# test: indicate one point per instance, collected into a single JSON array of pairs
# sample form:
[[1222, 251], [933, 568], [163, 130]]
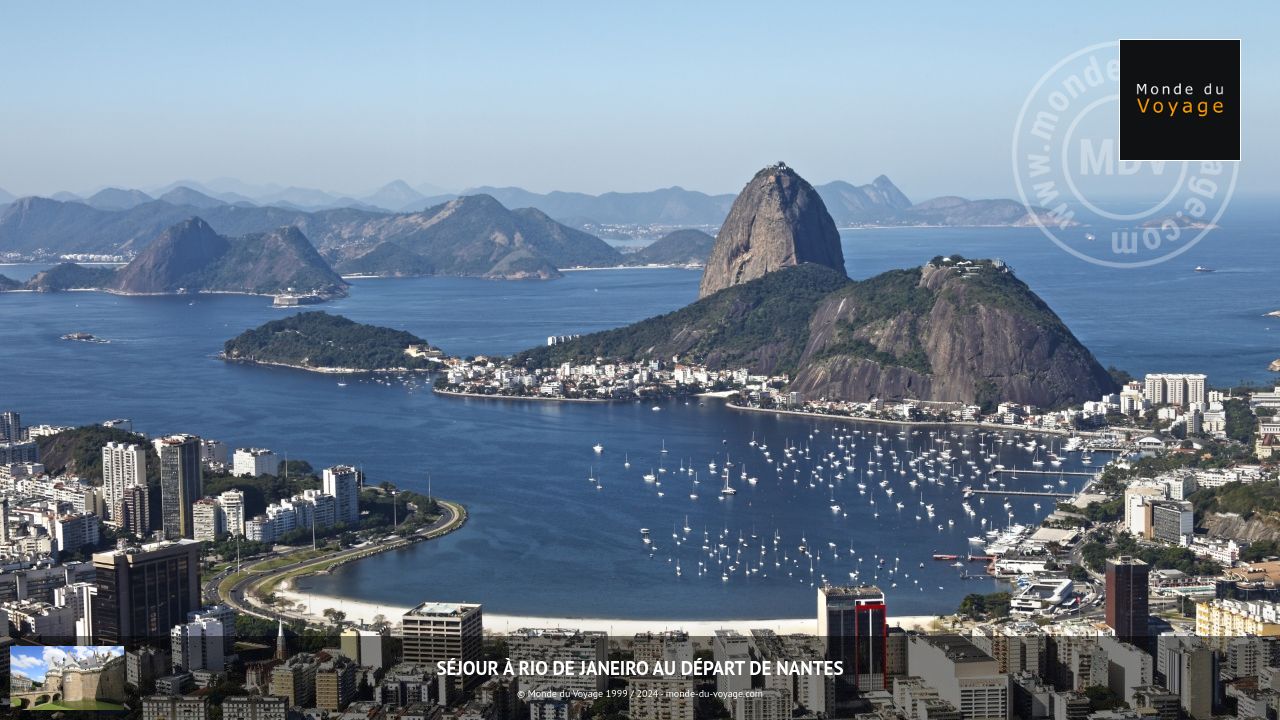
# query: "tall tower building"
[[10, 426], [142, 592], [181, 483], [340, 482], [1127, 612], [853, 622], [434, 632], [124, 465], [232, 504]]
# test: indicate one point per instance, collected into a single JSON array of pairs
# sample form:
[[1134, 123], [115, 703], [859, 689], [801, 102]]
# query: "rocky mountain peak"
[[777, 221]]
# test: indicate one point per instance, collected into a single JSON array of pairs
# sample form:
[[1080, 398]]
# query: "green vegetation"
[[763, 324], [977, 607], [1161, 557], [320, 340], [1103, 698], [71, 276], [261, 491], [1260, 550], [884, 298], [1245, 500], [79, 451], [1242, 424]]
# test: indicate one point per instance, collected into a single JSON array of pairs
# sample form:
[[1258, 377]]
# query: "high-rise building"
[[232, 504], [731, 646], [175, 707], [853, 622], [252, 462], [341, 481], [144, 591], [199, 645], [1180, 389], [124, 465], [1173, 521], [254, 707], [1127, 611], [206, 520], [135, 510], [11, 426], [575, 647], [962, 674], [181, 483], [435, 631], [368, 647], [295, 680], [335, 683]]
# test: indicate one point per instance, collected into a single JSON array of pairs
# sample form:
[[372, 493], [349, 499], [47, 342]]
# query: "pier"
[[1026, 493], [1055, 473]]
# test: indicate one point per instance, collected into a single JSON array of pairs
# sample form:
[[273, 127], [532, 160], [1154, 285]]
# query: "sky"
[[34, 660], [589, 97]]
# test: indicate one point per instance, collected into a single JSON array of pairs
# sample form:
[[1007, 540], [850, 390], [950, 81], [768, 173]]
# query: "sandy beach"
[[359, 611]]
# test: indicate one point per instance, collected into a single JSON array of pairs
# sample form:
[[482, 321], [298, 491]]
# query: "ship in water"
[[85, 337], [1202, 268]]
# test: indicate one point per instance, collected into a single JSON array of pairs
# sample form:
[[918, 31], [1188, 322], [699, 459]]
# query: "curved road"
[[236, 595]]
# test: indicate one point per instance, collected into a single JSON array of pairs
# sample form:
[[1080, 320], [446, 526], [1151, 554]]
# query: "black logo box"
[[1185, 65]]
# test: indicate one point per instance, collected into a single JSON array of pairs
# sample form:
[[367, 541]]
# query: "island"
[[319, 342]]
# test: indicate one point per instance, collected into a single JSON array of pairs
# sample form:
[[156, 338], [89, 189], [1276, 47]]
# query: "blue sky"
[[34, 661], [571, 96]]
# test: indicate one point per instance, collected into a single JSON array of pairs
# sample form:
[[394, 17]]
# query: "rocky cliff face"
[[963, 331], [164, 265], [778, 220]]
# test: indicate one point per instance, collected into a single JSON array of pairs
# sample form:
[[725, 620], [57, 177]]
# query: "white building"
[[341, 481], [231, 502], [124, 465], [252, 462], [199, 645], [1180, 389], [206, 518]]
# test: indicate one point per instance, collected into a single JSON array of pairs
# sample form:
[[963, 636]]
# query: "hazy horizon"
[[585, 99]]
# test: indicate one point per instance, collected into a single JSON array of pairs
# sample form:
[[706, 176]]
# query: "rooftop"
[[442, 609], [956, 648]]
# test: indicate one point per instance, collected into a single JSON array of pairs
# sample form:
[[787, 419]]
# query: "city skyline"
[[608, 100]]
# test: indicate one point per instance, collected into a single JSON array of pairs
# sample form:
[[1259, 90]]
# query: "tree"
[[335, 616]]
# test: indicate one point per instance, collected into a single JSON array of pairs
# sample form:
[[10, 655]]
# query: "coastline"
[[363, 611], [322, 370], [539, 398], [918, 423]]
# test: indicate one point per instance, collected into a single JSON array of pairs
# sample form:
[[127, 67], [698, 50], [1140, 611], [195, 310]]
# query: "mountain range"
[[191, 257], [775, 298], [877, 203]]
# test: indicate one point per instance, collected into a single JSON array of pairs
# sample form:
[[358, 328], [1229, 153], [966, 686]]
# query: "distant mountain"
[[185, 196], [882, 203], [474, 235], [387, 259], [852, 203], [681, 247], [190, 256], [5, 197], [668, 206], [117, 199], [778, 220], [396, 196], [64, 196], [300, 198], [70, 276], [7, 283]]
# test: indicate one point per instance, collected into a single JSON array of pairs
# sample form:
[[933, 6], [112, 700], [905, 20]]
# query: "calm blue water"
[[542, 539]]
